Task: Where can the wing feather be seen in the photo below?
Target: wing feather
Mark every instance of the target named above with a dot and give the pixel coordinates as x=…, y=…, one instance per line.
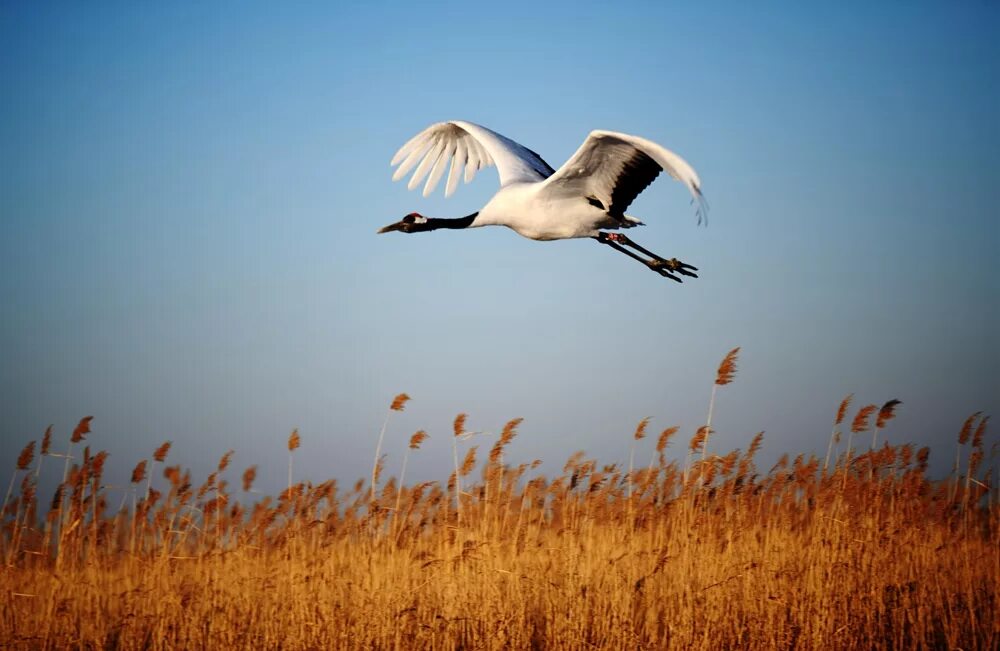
x=457, y=164
x=410, y=145
x=469, y=147
x=440, y=166
x=427, y=163
x=615, y=167
x=472, y=164
x=418, y=150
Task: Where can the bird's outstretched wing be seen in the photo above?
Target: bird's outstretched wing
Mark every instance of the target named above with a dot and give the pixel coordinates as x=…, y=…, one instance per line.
x=469, y=147
x=613, y=168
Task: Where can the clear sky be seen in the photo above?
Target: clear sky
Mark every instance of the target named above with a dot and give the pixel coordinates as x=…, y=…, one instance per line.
x=189, y=196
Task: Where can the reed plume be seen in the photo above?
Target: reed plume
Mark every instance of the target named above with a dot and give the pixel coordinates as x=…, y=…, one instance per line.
x=727, y=369
x=662, y=441
x=860, y=422
x=398, y=404
x=160, y=454
x=835, y=434
x=640, y=433
x=723, y=376
x=418, y=437
x=469, y=462
x=963, y=438
x=249, y=475
x=976, y=455
x=696, y=444
x=886, y=413
x=139, y=472
x=46, y=441
x=858, y=425
x=81, y=430
x=294, y=441
x=23, y=461
x=458, y=427
x=224, y=461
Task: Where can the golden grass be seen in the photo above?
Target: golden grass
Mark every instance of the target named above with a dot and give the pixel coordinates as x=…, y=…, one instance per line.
x=867, y=553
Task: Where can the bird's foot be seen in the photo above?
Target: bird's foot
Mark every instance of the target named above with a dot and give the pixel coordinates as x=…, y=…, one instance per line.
x=667, y=268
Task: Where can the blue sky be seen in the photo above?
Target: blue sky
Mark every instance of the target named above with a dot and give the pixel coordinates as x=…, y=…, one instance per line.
x=189, y=196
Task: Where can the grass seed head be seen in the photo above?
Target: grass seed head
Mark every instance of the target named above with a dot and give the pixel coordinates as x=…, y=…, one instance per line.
x=418, y=437
x=842, y=410
x=249, y=475
x=664, y=440
x=82, y=429
x=399, y=402
x=860, y=423
x=98, y=463
x=27, y=454
x=224, y=461
x=966, y=431
x=46, y=441
x=727, y=369
x=509, y=431
x=887, y=413
x=977, y=438
x=139, y=472
x=469, y=462
x=160, y=454
x=640, y=430
x=699, y=438
x=459, y=425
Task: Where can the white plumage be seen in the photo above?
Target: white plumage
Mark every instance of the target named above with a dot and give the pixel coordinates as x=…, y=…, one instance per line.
x=590, y=192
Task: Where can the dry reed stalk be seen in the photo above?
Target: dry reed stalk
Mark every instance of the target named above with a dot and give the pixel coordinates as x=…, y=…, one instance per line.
x=858, y=425
x=696, y=444
x=139, y=472
x=224, y=461
x=835, y=433
x=160, y=453
x=976, y=455
x=723, y=376
x=662, y=442
x=963, y=438
x=431, y=588
x=493, y=470
x=418, y=437
x=249, y=475
x=886, y=413
x=294, y=441
x=79, y=433
x=398, y=404
x=159, y=456
x=458, y=427
x=23, y=461
x=638, y=435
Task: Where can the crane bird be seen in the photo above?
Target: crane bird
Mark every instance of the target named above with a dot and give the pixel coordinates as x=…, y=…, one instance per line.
x=586, y=196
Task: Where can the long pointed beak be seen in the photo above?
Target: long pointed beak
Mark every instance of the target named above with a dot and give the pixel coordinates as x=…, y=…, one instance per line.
x=389, y=228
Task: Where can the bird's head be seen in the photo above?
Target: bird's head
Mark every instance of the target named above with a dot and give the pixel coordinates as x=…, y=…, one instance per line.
x=409, y=224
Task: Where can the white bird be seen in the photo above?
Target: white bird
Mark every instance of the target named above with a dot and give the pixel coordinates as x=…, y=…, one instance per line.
x=590, y=192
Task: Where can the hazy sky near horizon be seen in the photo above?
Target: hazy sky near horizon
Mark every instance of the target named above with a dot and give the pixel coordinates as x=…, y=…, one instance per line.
x=189, y=195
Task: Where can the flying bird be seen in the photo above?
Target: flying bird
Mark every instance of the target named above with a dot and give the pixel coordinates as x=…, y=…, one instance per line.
x=585, y=197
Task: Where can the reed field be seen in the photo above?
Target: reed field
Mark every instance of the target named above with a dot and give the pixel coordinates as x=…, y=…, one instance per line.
x=854, y=549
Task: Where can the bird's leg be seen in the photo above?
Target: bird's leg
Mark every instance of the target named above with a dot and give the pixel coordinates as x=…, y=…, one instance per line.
x=673, y=264
x=660, y=265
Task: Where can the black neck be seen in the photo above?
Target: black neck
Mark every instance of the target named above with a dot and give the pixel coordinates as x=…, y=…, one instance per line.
x=434, y=223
